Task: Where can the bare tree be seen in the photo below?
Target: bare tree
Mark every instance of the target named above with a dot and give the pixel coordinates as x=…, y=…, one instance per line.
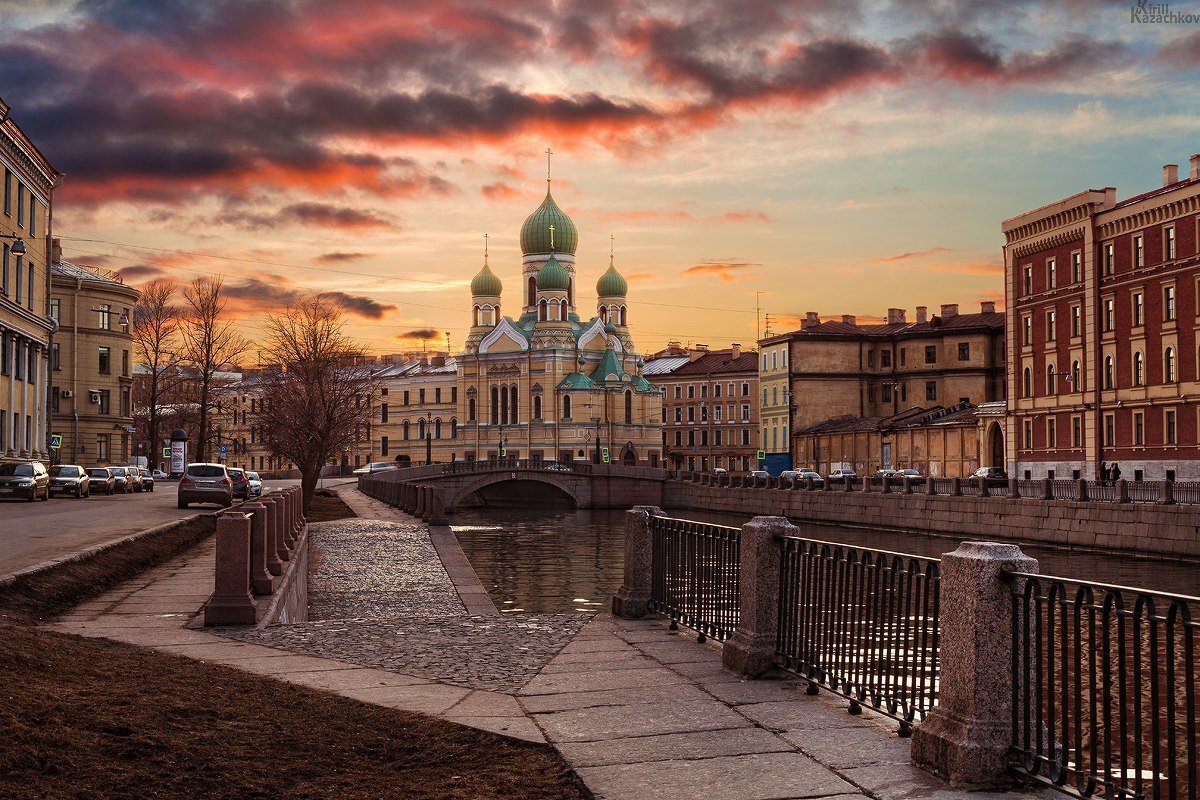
x=156, y=321
x=210, y=343
x=318, y=404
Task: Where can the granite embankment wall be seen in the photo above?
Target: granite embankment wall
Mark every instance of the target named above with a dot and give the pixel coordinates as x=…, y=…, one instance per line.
x=1145, y=528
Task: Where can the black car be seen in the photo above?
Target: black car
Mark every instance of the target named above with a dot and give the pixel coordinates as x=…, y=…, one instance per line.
x=101, y=479
x=70, y=479
x=124, y=482
x=27, y=479
x=241, y=483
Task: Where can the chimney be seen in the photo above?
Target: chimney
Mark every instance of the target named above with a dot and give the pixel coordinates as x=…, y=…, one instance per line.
x=922, y=314
x=848, y=319
x=55, y=250
x=949, y=310
x=1194, y=162
x=1170, y=174
x=987, y=307
x=438, y=361
x=896, y=316
x=735, y=351
x=811, y=320
x=697, y=351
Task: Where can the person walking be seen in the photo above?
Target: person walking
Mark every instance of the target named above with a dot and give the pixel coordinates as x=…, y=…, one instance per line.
x=1103, y=473
x=1115, y=472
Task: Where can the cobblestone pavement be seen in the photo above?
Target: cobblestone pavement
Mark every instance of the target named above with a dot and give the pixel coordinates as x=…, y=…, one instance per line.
x=379, y=597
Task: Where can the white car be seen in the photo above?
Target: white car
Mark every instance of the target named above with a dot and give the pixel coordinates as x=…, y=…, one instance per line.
x=255, y=484
x=843, y=473
x=376, y=466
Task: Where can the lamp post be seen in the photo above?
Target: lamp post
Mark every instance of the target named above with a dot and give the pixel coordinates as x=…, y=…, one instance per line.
x=428, y=437
x=18, y=245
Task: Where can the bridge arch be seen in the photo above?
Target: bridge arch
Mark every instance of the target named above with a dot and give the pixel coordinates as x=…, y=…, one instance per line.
x=566, y=486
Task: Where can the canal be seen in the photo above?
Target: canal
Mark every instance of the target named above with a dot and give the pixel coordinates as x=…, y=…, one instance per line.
x=556, y=560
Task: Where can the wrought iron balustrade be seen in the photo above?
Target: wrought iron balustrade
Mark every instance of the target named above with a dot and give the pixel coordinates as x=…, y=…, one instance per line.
x=1104, y=688
x=863, y=624
x=695, y=575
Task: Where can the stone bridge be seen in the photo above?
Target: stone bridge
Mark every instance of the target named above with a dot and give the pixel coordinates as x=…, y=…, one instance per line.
x=584, y=485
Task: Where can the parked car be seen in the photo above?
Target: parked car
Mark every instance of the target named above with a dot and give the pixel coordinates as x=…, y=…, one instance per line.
x=760, y=474
x=376, y=466
x=911, y=474
x=70, y=479
x=843, y=474
x=134, y=474
x=121, y=477
x=147, y=479
x=255, y=484
x=159, y=475
x=27, y=479
x=991, y=473
x=101, y=480
x=815, y=477
x=719, y=471
x=885, y=472
x=239, y=482
x=205, y=483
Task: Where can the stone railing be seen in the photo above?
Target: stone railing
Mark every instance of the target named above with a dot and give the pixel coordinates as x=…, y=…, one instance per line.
x=261, y=552
x=421, y=500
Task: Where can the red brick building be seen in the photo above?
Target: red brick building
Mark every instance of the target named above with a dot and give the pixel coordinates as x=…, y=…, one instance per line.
x=1102, y=314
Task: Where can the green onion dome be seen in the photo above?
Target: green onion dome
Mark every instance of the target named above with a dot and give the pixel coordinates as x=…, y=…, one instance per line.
x=535, y=233
x=486, y=283
x=611, y=284
x=552, y=277
x=610, y=328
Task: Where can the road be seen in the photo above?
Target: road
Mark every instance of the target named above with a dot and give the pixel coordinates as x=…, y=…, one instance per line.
x=31, y=533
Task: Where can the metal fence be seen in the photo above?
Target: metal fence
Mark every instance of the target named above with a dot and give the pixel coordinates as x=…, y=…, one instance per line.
x=1104, y=688
x=862, y=623
x=695, y=575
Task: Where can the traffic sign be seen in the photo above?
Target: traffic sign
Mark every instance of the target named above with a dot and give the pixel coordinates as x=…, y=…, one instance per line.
x=604, y=454
x=55, y=441
x=761, y=455
x=166, y=452
x=222, y=450
x=504, y=452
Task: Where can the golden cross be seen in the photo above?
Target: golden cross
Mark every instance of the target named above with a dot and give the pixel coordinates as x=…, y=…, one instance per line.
x=549, y=153
x=611, y=246
x=551, y=236
x=485, y=248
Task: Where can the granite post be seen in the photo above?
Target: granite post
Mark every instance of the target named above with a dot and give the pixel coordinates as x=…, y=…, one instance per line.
x=1014, y=489
x=436, y=510
x=260, y=576
x=275, y=511
x=966, y=736
x=419, y=511
x=930, y=487
x=231, y=603
x=751, y=651
x=632, y=600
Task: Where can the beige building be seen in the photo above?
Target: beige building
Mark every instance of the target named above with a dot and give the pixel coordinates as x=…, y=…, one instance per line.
x=91, y=367
x=839, y=368
x=25, y=329
x=417, y=417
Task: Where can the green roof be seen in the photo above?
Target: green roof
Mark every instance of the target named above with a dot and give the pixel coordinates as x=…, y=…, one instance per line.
x=611, y=284
x=609, y=365
x=535, y=233
x=576, y=380
x=552, y=277
x=486, y=283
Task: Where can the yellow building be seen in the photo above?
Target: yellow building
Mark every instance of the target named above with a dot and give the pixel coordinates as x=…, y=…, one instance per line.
x=25, y=328
x=774, y=380
x=417, y=418
x=550, y=384
x=91, y=376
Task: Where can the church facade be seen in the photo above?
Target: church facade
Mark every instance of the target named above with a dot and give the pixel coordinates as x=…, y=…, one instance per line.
x=548, y=383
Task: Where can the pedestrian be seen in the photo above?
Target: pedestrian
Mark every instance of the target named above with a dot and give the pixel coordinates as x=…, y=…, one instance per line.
x=1115, y=472
x=1103, y=473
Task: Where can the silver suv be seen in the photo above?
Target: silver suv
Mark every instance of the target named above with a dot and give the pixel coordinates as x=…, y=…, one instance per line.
x=205, y=483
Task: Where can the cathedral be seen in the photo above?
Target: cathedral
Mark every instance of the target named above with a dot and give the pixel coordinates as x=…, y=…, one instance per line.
x=548, y=384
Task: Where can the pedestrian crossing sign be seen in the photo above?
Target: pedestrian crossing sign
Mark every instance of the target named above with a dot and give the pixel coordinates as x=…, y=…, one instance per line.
x=166, y=452
x=55, y=441
x=762, y=455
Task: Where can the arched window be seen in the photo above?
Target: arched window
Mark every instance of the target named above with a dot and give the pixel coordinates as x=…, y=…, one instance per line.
x=404, y=428
x=628, y=406
x=542, y=310
x=604, y=313
x=478, y=315
x=1108, y=372
x=503, y=405
x=537, y=406
x=567, y=407
x=454, y=427
x=1050, y=376
x=1027, y=384
x=512, y=418
x=437, y=428
x=1075, y=376
x=1138, y=369
x=495, y=410
x=471, y=409
x=623, y=320
x=1169, y=365
x=571, y=291
x=420, y=429
x=532, y=291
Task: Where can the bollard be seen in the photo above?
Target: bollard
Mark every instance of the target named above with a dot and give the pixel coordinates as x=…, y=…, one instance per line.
x=285, y=514
x=930, y=486
x=1166, y=494
x=1081, y=490
x=419, y=511
x=260, y=576
x=887, y=484
x=866, y=483
x=966, y=736
x=632, y=600
x=956, y=487
x=983, y=486
x=907, y=481
x=231, y=603
x=298, y=515
x=827, y=485
x=1047, y=489
x=751, y=651
x=1014, y=488
x=846, y=484
x=1122, y=491
x=281, y=546
x=274, y=563
x=436, y=513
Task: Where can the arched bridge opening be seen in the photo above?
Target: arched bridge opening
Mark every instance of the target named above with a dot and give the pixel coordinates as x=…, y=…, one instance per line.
x=503, y=490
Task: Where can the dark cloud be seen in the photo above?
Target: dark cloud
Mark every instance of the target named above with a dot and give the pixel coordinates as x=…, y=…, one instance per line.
x=141, y=272
x=727, y=270
x=419, y=335
x=340, y=258
x=309, y=214
x=1182, y=52
x=275, y=293
x=965, y=56
x=916, y=254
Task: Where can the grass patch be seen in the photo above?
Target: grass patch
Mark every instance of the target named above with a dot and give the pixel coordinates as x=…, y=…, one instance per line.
x=48, y=593
x=90, y=718
x=327, y=506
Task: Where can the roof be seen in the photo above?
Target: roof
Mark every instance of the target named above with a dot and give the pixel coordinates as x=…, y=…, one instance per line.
x=65, y=269
x=935, y=324
x=720, y=361
x=959, y=414
x=576, y=380
x=535, y=232
x=663, y=366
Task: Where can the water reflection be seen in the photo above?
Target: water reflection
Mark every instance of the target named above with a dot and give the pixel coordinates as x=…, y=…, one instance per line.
x=558, y=561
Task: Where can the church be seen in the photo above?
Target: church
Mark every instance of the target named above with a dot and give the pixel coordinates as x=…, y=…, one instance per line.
x=548, y=384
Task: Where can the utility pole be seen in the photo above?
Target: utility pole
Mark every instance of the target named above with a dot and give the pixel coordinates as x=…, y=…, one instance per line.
x=757, y=317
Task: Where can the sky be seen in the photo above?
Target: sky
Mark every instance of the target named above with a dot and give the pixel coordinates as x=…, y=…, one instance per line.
x=838, y=157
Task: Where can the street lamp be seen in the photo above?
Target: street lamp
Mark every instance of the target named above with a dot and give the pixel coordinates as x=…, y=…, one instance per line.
x=428, y=435
x=18, y=245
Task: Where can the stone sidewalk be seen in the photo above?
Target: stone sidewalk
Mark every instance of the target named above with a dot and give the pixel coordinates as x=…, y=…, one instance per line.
x=637, y=711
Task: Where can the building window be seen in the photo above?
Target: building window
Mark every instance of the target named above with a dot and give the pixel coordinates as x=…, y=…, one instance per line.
x=930, y=354
x=20, y=204
x=125, y=363
x=716, y=413
x=1139, y=427
x=1076, y=319
x=1077, y=431
x=102, y=454
x=421, y=397
x=717, y=437
x=691, y=438
x=8, y=182
x=1109, y=260
x=1108, y=372
x=105, y=407
x=404, y=430
x=383, y=446
x=405, y=397
x=1110, y=430
x=437, y=395
x=903, y=353
x=17, y=268
x=691, y=392
x=383, y=412
x=745, y=390
x=1028, y=275
x=1027, y=434
x=1051, y=433
x=1168, y=303
x=1051, y=333
x=105, y=360
x=885, y=358
x=1050, y=376
x=55, y=357
x=870, y=358
x=537, y=406
x=454, y=427
x=55, y=309
x=104, y=314
x=125, y=407
x=1109, y=314
x=1169, y=365
x=470, y=409
x=1026, y=383
x=745, y=441
x=1027, y=330
x=678, y=438
x=745, y=413
x=691, y=413
x=1139, y=251
x=1051, y=277
x=678, y=392
x=1075, y=377
x=716, y=390
x=931, y=390
x=1138, y=309
x=964, y=351
x=1076, y=267
x=1169, y=435
x=1169, y=243
x=1138, y=369
x=567, y=407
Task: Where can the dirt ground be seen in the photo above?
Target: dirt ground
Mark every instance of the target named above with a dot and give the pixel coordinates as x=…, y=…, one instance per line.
x=327, y=506
x=88, y=718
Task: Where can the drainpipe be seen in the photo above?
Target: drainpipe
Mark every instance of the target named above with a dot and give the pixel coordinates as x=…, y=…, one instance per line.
x=75, y=369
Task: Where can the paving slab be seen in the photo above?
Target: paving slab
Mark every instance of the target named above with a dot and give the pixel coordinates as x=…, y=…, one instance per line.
x=904, y=781
x=742, y=692
x=486, y=704
x=426, y=698
x=599, y=680
x=541, y=703
x=642, y=719
x=673, y=746
x=515, y=727
x=809, y=714
x=680, y=651
x=849, y=748
x=760, y=776
x=355, y=678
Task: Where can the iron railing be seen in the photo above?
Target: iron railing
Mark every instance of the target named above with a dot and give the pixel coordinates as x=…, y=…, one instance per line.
x=695, y=575
x=863, y=624
x=1104, y=688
